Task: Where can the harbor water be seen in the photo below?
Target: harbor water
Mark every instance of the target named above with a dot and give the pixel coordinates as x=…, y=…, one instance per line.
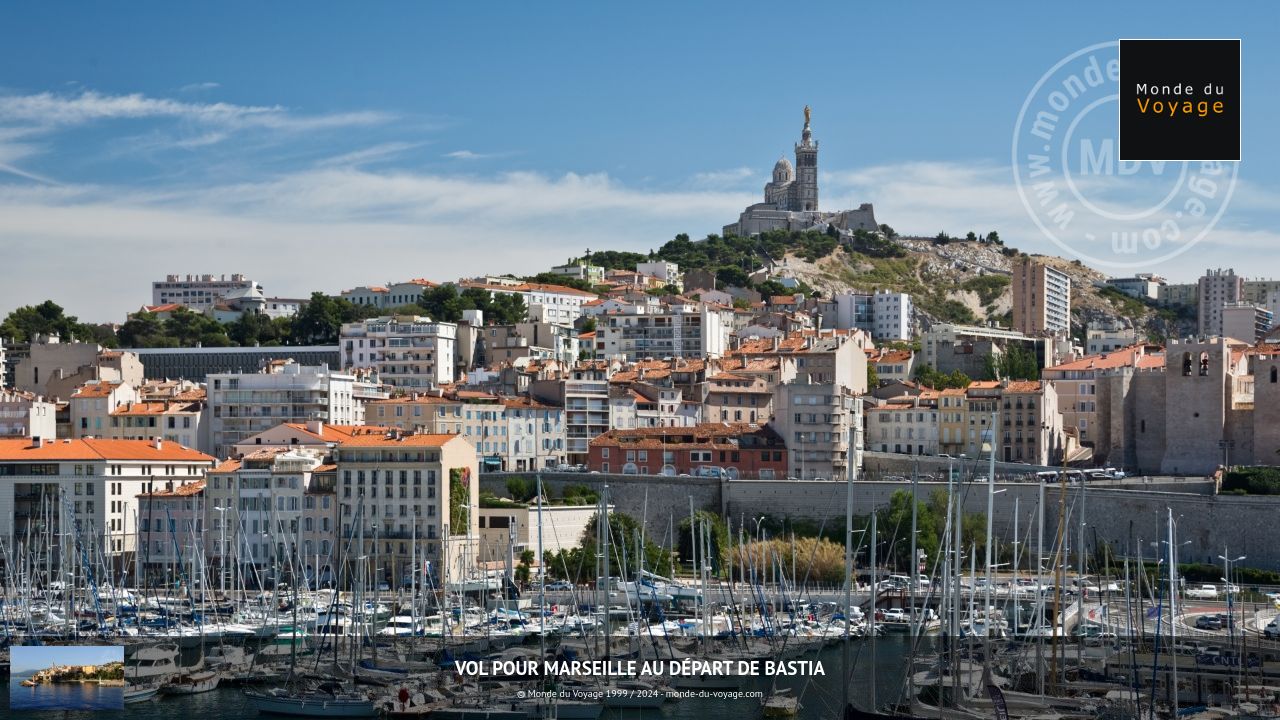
x=56, y=698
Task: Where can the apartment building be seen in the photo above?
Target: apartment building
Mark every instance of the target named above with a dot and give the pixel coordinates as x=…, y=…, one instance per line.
x=242, y=405
x=171, y=535
x=508, y=433
x=584, y=394
x=1245, y=321
x=737, y=398
x=51, y=487
x=24, y=414
x=817, y=421
x=819, y=356
x=405, y=351
x=907, y=424
x=690, y=330
x=1215, y=290
x=494, y=346
x=1030, y=427
x=1041, y=298
x=255, y=509
x=393, y=487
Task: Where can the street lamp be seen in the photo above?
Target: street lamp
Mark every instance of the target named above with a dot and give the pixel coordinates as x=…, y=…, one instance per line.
x=1226, y=579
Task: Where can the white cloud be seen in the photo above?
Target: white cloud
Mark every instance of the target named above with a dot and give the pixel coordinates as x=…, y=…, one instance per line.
x=49, y=110
x=365, y=156
x=198, y=87
x=469, y=155
x=732, y=179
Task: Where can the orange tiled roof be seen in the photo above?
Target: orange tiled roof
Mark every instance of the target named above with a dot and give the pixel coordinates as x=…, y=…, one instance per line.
x=1124, y=357
x=894, y=356
x=95, y=390
x=1023, y=386
x=153, y=408
x=98, y=449
x=227, y=466
x=166, y=307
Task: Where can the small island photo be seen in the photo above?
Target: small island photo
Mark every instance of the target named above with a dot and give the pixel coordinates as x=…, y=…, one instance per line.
x=66, y=678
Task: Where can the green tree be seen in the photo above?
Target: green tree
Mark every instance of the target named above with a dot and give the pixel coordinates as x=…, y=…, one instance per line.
x=188, y=327
x=320, y=321
x=521, y=488
x=1015, y=363
x=894, y=527
x=719, y=539
x=141, y=330
x=873, y=377
x=47, y=318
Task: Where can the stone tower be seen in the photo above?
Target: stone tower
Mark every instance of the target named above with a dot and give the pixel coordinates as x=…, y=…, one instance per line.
x=805, y=188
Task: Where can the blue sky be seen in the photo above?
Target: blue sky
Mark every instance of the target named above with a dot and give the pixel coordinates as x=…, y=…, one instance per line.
x=27, y=657
x=323, y=146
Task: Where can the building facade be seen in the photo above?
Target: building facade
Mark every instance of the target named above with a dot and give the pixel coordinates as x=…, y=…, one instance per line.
x=245, y=404
x=1041, y=298
x=1215, y=290
x=405, y=351
x=198, y=292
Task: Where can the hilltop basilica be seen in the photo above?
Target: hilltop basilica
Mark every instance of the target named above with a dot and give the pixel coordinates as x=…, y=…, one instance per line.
x=791, y=198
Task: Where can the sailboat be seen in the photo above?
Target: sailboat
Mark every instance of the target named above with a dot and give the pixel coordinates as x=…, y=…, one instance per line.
x=192, y=683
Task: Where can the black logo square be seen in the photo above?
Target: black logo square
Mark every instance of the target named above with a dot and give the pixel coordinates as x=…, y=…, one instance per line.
x=1180, y=100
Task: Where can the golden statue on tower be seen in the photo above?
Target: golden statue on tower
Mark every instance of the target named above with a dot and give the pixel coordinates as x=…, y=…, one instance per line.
x=806, y=114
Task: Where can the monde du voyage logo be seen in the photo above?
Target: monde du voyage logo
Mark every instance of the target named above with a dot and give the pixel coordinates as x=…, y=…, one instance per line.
x=1142, y=182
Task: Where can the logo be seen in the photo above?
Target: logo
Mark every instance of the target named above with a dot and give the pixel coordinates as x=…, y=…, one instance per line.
x=1107, y=211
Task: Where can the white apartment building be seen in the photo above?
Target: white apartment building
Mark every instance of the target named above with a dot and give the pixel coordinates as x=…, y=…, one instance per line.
x=692, y=330
x=90, y=484
x=24, y=414
x=667, y=272
x=245, y=404
x=508, y=433
x=584, y=395
x=198, y=292
x=405, y=351
x=891, y=313
x=255, y=511
x=1101, y=338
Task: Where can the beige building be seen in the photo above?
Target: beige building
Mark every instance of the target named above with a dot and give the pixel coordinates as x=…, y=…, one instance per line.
x=55, y=369
x=816, y=421
x=1215, y=289
x=738, y=398
x=1030, y=424
x=1078, y=386
x=1041, y=298
x=393, y=486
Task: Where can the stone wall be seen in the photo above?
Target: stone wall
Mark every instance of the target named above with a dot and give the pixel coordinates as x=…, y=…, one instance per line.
x=1127, y=516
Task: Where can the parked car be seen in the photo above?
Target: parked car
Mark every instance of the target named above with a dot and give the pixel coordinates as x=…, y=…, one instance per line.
x=1208, y=622
x=1272, y=630
x=895, y=615
x=559, y=585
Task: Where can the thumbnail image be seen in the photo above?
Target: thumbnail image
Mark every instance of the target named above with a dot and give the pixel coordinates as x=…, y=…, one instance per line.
x=66, y=678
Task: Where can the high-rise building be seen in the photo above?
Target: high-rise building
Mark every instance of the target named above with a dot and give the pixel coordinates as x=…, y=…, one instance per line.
x=1041, y=298
x=244, y=404
x=404, y=350
x=1216, y=289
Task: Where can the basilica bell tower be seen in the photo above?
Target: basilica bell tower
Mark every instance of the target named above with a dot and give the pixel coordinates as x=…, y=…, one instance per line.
x=806, y=183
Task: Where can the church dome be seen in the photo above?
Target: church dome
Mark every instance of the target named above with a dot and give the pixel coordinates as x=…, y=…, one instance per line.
x=782, y=171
